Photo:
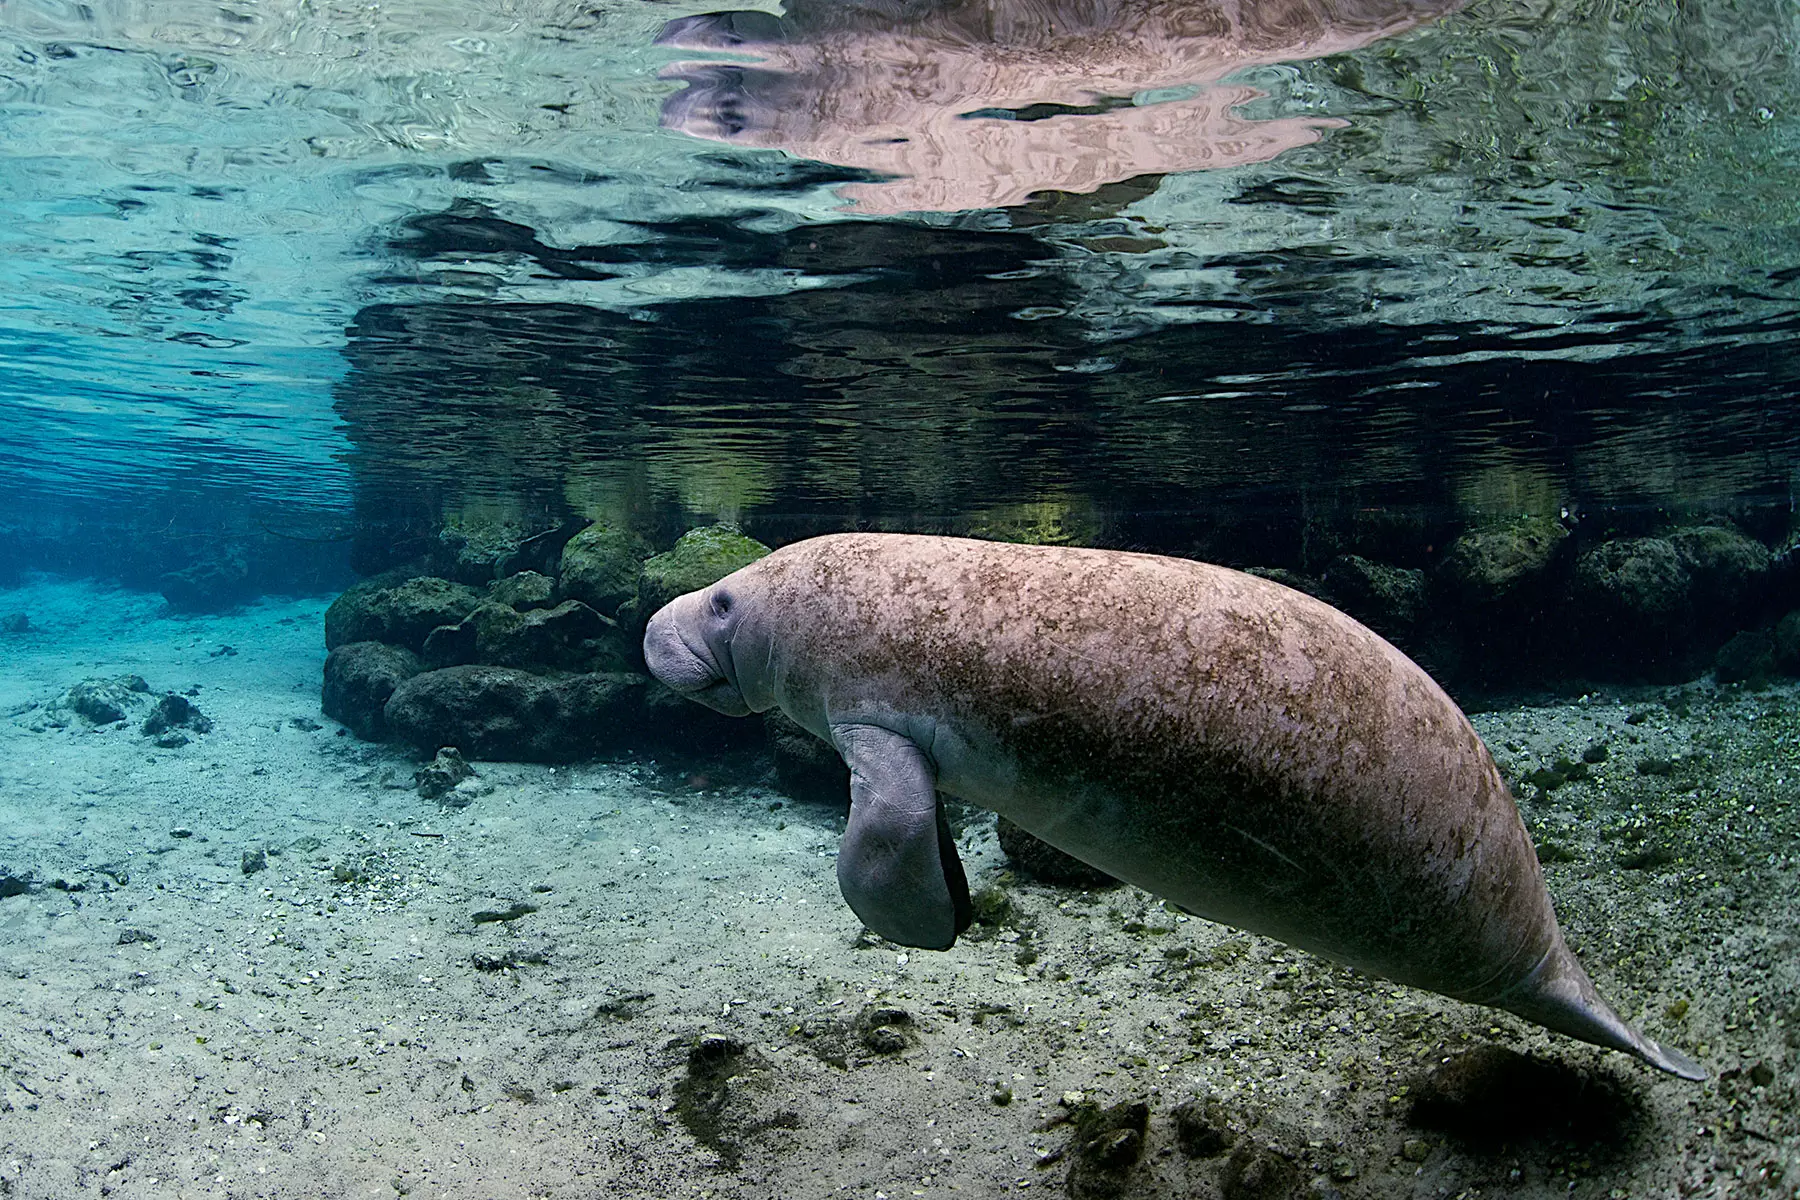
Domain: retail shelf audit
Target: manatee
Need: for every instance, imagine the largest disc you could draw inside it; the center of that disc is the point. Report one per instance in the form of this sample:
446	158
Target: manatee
1249	753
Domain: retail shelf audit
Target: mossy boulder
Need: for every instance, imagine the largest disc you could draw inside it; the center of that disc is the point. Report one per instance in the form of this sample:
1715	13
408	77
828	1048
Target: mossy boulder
1787	643
105	701
701	558
1495	562
1727	567
527	589
1749	657
400	614
601	566
570	637
216	585
673	722
360	677
1645	580
806	768
1388	599
503	713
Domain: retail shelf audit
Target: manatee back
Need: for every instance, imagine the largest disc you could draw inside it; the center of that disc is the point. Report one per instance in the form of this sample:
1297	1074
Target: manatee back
1249	752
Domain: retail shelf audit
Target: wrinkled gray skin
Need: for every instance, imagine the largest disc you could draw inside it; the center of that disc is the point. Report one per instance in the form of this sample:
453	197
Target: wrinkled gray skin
1250	753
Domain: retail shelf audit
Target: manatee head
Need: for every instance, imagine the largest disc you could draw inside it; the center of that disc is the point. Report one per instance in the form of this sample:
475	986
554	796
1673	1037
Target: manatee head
695	642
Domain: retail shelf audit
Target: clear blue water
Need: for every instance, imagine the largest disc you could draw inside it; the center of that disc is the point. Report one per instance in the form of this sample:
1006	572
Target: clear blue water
316	255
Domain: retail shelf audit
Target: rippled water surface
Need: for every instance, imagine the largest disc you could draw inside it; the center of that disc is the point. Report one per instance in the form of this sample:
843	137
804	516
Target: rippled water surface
905	262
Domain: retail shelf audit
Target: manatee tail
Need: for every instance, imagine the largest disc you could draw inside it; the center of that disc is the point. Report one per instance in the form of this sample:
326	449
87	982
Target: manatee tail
1559	995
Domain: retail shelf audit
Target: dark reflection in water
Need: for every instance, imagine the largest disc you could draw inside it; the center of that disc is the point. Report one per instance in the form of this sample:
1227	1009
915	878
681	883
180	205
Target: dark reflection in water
950	389
975	103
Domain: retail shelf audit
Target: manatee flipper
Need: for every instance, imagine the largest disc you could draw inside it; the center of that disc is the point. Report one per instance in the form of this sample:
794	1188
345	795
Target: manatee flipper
897	866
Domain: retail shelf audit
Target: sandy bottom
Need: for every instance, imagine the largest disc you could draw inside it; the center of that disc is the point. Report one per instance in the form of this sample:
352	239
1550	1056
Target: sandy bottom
677	1002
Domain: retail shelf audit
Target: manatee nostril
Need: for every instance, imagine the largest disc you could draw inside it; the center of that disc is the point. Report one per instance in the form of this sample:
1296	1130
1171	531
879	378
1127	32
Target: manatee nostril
721	604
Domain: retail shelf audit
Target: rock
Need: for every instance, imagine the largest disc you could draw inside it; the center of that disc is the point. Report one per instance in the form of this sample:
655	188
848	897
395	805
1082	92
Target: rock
172	739
806	768
1787	643
1497	562
457	645
476	546
1749	657
673	722
1258	1172
254	861
442	773
1203	1129
601	566
1643	581
208	587
104	701
402	614
1727	568
504	713
1390	600
885	1029
14	883
360	678
175	712
1045	862
527	589
1107	1144
702	557
15	623
570	637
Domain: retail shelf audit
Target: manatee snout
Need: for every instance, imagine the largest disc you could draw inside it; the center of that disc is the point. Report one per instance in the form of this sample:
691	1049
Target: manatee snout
680	650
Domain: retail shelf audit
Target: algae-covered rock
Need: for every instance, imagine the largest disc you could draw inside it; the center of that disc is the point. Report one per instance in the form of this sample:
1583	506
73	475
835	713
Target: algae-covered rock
1642	579
806	768
1787	643
1495	562
1749	657
527	589
1389	599
442	773
1106	1145
601	566
702	557
360	678
505	713
1727	567
571	637
215	585
175	711
104	701
402	614
1204	1128
673	722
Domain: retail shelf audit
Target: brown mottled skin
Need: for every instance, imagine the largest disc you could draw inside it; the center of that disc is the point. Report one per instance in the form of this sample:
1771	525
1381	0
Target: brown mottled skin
1246	751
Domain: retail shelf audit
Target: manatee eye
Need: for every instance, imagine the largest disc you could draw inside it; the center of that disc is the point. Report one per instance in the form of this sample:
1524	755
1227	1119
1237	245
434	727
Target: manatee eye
721	604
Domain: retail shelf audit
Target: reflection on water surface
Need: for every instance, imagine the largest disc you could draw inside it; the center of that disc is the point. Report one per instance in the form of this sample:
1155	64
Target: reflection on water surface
964	105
